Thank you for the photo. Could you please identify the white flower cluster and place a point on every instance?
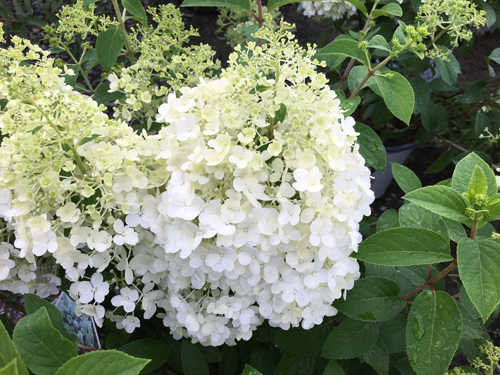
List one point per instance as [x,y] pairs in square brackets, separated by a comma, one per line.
[245,206]
[328,9]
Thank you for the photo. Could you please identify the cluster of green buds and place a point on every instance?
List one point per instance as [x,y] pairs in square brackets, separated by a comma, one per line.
[482,206]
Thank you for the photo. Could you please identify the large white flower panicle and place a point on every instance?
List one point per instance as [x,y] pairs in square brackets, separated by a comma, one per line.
[261,210]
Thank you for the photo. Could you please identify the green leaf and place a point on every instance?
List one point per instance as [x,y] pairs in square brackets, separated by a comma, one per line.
[404,247]
[350,105]
[106,362]
[7,323]
[434,117]
[356,75]
[9,352]
[378,357]
[405,177]
[495,55]
[292,364]
[379,42]
[478,183]
[229,360]
[102,96]
[397,94]
[371,147]
[373,299]
[37,129]
[333,368]
[192,361]
[472,327]
[433,332]
[281,113]
[10,369]
[347,47]
[249,370]
[389,219]
[350,339]
[413,216]
[109,44]
[463,173]
[441,200]
[491,16]
[456,230]
[71,80]
[41,346]
[301,341]
[88,3]
[482,123]
[389,10]
[89,139]
[358,4]
[242,4]
[448,69]
[478,265]
[135,8]
[156,351]
[393,334]
[475,93]
[422,93]
[442,162]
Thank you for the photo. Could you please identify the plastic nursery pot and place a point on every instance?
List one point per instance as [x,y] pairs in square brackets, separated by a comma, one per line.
[398,154]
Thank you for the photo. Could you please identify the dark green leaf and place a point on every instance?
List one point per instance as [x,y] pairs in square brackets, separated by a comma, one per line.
[9,352]
[229,360]
[478,265]
[448,69]
[102,96]
[482,123]
[389,219]
[292,364]
[441,200]
[405,177]
[7,323]
[393,333]
[491,16]
[192,361]
[37,129]
[442,162]
[249,370]
[397,94]
[344,47]
[156,351]
[333,368]
[433,332]
[135,8]
[350,105]
[242,4]
[33,303]
[422,93]
[434,117]
[456,230]
[389,10]
[106,362]
[373,299]
[413,216]
[404,247]
[88,3]
[281,113]
[41,346]
[350,339]
[495,55]
[378,357]
[358,4]
[301,341]
[379,42]
[475,93]
[109,43]
[371,147]
[89,139]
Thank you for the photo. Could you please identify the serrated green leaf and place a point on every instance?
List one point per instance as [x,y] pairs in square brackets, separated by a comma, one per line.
[41,346]
[154,350]
[475,93]
[7,323]
[242,4]
[434,117]
[350,105]
[422,93]
[491,16]
[413,216]
[404,247]
[10,369]
[378,357]
[472,327]
[301,341]
[393,334]
[102,96]
[441,200]
[371,147]
[293,364]
[106,362]
[456,230]
[379,42]
[373,299]
[388,10]
[333,368]
[358,4]
[249,370]
[477,183]
[389,219]
[109,44]
[9,352]
[192,360]
[347,47]
[397,94]
[478,265]
[448,69]
[495,55]
[442,162]
[350,339]
[33,303]
[135,8]
[405,177]
[433,332]
[481,124]
[88,3]
[463,173]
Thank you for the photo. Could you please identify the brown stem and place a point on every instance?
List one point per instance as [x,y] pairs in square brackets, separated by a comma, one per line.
[89,348]
[7,20]
[254,16]
[13,304]
[476,107]
[371,73]
[451,143]
[260,19]
[431,281]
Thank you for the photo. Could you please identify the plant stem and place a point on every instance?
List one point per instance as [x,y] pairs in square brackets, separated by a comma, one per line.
[130,53]
[7,20]
[476,107]
[449,142]
[431,281]
[260,19]
[13,304]
[81,70]
[473,230]
[89,348]
[371,73]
